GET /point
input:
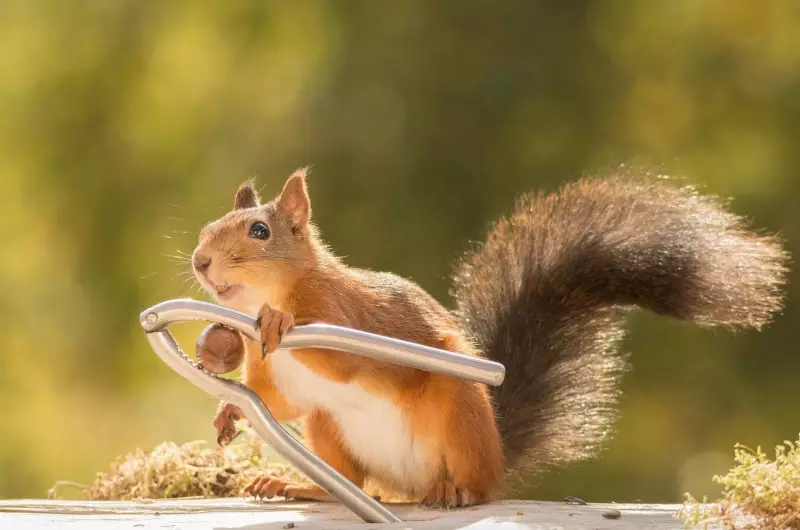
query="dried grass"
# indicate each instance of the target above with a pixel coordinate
(189, 470)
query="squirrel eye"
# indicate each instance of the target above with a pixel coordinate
(259, 230)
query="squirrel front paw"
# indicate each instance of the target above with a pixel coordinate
(225, 422)
(273, 324)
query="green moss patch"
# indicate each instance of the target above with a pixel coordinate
(765, 493)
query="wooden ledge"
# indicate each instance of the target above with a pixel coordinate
(238, 513)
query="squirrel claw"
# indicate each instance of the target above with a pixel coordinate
(273, 325)
(225, 423)
(446, 495)
(226, 438)
(270, 485)
(266, 486)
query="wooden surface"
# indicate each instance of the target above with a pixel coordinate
(238, 513)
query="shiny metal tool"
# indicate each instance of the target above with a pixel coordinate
(156, 319)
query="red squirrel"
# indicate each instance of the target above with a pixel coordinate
(546, 296)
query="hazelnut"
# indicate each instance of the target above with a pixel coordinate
(220, 349)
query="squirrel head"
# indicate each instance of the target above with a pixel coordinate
(254, 253)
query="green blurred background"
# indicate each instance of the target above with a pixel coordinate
(128, 124)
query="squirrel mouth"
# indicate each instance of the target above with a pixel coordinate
(226, 292)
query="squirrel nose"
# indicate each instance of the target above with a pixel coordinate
(201, 262)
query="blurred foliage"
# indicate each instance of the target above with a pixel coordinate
(128, 124)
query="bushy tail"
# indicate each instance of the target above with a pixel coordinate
(545, 293)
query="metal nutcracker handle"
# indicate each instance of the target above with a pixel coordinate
(157, 318)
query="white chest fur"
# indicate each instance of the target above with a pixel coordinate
(373, 428)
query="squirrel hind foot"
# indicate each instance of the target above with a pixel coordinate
(270, 485)
(446, 495)
(267, 486)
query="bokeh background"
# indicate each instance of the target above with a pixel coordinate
(125, 125)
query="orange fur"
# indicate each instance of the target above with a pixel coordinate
(295, 273)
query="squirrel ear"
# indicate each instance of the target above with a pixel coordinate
(293, 201)
(246, 196)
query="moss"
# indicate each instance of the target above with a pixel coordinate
(189, 470)
(195, 469)
(763, 493)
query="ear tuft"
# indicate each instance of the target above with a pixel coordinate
(246, 196)
(293, 202)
